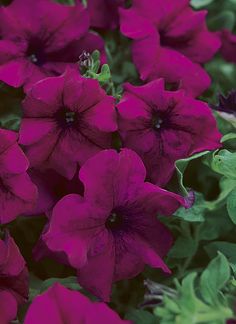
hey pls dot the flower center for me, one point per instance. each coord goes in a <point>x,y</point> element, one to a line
<point>35,52</point>
<point>174,42</point>
<point>33,58</point>
<point>114,221</point>
<point>3,187</point>
<point>157,122</point>
<point>70,117</point>
<point>66,118</point>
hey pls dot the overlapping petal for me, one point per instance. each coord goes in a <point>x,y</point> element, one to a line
<point>170,40</point>
<point>65,126</point>
<point>67,306</point>
<point>111,224</point>
<point>41,39</point>
<point>17,192</point>
<point>164,126</point>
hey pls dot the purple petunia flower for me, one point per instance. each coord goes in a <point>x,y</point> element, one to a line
<point>67,119</point>
<point>104,13</point>
<point>228,48</point>
<point>40,38</point>
<point>170,40</point>
<point>113,231</point>
<point>17,193</point>
<point>50,192</point>
<point>67,306</point>
<point>13,280</point>
<point>164,126</point>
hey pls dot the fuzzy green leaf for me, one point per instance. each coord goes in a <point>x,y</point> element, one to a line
<point>213,278</point>
<point>10,121</point>
<point>197,4</point>
<point>196,212</point>
<point>231,205</point>
<point>224,20</point>
<point>181,166</point>
<point>227,137</point>
<point>69,282</point>
<point>67,2</point>
<point>224,162</point>
<point>227,248</point>
<point>183,248</point>
<point>226,187</point>
<point>141,317</point>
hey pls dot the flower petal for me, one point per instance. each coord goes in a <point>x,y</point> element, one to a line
<point>99,283</point>
<point>8,307</point>
<point>118,176</point>
<point>74,222</point>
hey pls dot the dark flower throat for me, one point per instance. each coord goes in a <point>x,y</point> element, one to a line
<point>66,118</point>
<point>114,221</point>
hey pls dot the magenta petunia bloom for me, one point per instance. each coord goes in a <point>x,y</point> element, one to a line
<point>8,307</point>
<point>228,48</point>
<point>17,193</point>
<point>50,192</point>
<point>164,126</point>
<point>104,13</point>
<point>69,307</point>
<point>66,120</point>
<point>13,280</point>
<point>170,40</point>
<point>40,38</point>
<point>113,231</point>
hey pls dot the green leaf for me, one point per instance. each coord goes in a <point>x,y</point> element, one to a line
<point>223,75</point>
<point>105,74</point>
<point>10,121</point>
<point>214,278</point>
<point>95,55</point>
<point>224,162</point>
<point>171,305</point>
<point>229,118</point>
<point>226,186</point>
<point>67,2</point>
<point>217,223</point>
<point>224,20</point>
<point>141,317</point>
<point>34,286</point>
<point>197,4</point>
<point>228,137</point>
<point>231,205</point>
<point>228,249</point>
<point>184,247</point>
<point>196,212</point>
<point>188,298</point>
<point>181,166</point>
<point>187,305</point>
<point>69,282</point>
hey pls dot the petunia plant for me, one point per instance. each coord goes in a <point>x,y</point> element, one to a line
<point>118,161</point>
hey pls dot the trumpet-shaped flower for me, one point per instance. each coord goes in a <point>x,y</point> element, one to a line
<point>113,231</point>
<point>66,120</point>
<point>164,126</point>
<point>41,38</point>
<point>170,40</point>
